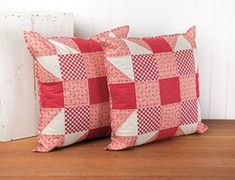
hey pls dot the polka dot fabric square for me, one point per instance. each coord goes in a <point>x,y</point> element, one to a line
<point>163,99</point>
<point>77,119</point>
<point>185,61</point>
<point>73,92</point>
<point>145,67</point>
<point>72,66</point>
<point>148,120</point>
<point>189,112</point>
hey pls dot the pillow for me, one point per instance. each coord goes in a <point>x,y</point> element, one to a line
<point>72,88</point>
<point>154,88</point>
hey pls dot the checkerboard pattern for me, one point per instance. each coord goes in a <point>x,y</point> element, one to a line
<point>148,119</point>
<point>145,68</point>
<point>72,66</point>
<point>189,112</point>
<point>73,92</point>
<point>185,61</point>
<point>76,119</point>
<point>160,84</point>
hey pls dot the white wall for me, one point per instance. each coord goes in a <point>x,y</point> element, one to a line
<point>18,105</point>
<point>215,20</point>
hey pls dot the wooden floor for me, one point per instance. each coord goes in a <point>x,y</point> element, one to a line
<point>207,156</point>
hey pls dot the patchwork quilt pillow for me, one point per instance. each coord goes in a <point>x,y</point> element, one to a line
<point>72,86</point>
<point>154,88</point>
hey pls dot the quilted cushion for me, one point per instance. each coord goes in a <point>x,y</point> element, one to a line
<point>72,86</point>
<point>154,88</point>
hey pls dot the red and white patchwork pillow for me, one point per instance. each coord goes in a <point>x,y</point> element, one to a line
<point>154,88</point>
<point>72,86</point>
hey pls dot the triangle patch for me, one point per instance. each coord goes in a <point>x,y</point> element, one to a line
<point>44,75</point>
<point>47,115</point>
<point>51,64</point>
<point>111,34</point>
<point>171,40</point>
<point>144,138</point>
<point>62,48</point>
<point>56,126</point>
<point>115,75</point>
<point>153,138</point>
<point>129,127</point>
<point>120,117</point>
<point>136,48</point>
<point>179,132</point>
<point>189,128</point>
<point>182,43</point>
<point>140,42</point>
<point>190,35</point>
<point>73,137</point>
<point>124,64</point>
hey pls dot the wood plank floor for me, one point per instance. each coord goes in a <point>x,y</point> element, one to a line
<point>207,156</point>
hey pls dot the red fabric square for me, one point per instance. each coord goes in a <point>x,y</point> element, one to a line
<point>166,133</point>
<point>158,44</point>
<point>123,96</point>
<point>169,90</point>
<point>87,45</point>
<point>51,95</point>
<point>197,85</point>
<point>98,90</point>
